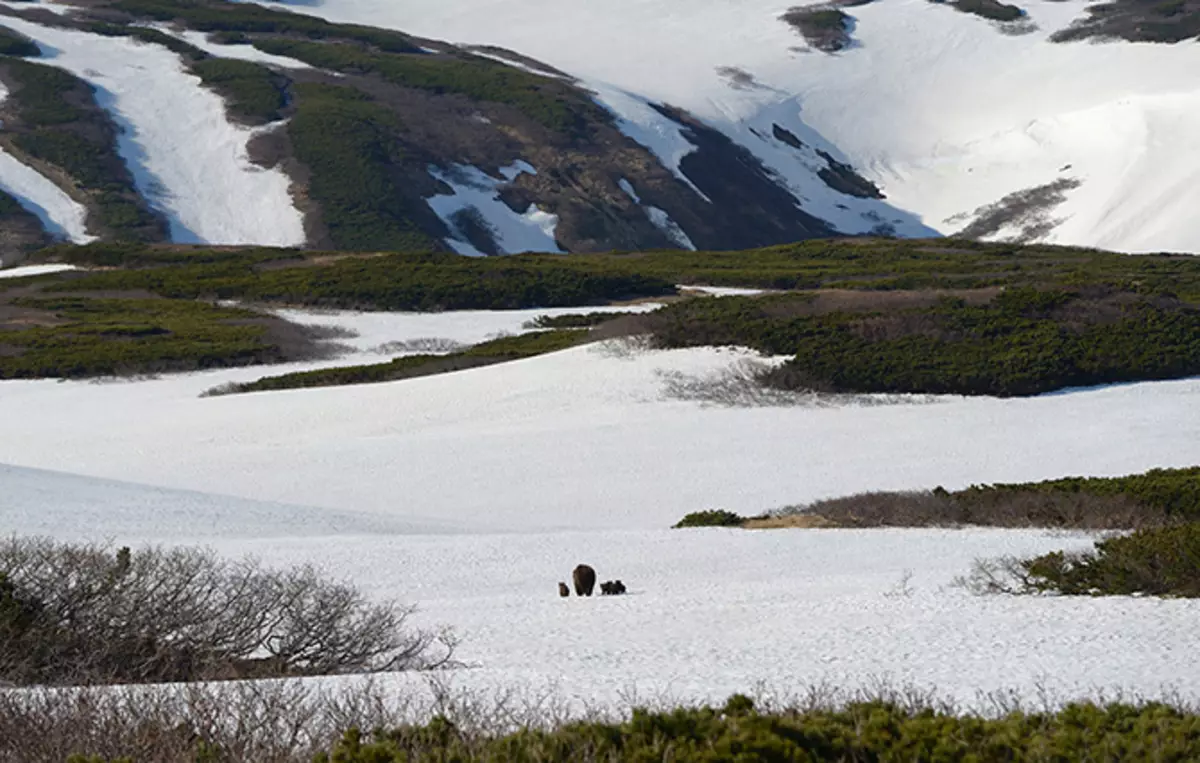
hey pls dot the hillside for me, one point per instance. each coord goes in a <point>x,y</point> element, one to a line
<point>466,126</point>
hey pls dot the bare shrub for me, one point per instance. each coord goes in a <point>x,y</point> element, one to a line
<point>1005,575</point>
<point>86,614</point>
<point>420,346</point>
<point>1007,508</point>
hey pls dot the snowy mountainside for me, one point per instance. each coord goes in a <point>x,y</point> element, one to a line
<point>1002,129</point>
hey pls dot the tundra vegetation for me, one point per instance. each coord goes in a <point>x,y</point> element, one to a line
<point>861,315</point>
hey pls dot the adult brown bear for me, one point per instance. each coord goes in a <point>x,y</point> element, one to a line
<point>584,578</point>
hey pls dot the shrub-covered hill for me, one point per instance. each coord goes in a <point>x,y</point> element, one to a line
<point>369,129</point>
<point>872,315</point>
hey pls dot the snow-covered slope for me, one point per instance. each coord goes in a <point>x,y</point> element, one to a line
<point>944,111</point>
<point>578,439</point>
<point>187,159</point>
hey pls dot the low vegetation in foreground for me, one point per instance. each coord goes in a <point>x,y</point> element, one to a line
<point>294,725</point>
<point>89,614</point>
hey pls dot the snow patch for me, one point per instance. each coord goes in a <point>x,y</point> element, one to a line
<point>473,189</point>
<point>187,160</point>
<point>202,41</point>
<point>25,271</point>
<point>61,216</point>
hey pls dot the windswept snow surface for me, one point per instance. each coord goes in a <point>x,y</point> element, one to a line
<point>942,109</point>
<point>186,157</point>
<point>513,232</point>
<point>578,439</point>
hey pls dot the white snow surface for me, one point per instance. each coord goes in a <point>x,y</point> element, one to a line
<point>186,157</point>
<point>24,271</point>
<point>61,216</point>
<point>515,473</point>
<point>940,108</point>
<point>581,439</point>
<point>528,231</point>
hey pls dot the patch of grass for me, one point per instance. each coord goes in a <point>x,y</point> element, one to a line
<point>710,518</point>
<point>349,144</point>
<point>58,122</point>
<point>1021,342</point>
<point>98,337</point>
<point>413,366</point>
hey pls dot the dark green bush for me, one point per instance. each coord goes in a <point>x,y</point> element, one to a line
<point>867,731</point>
<point>126,336</point>
<point>1022,342</point>
<point>710,518</point>
<point>544,100</point>
<point>989,9</point>
<point>349,144</point>
<point>251,91</point>
<point>13,44</point>
<point>575,320</point>
<point>1161,561</point>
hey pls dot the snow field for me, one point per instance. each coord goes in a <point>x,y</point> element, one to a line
<point>582,439</point>
<point>940,108</point>
<point>187,159</point>
<point>24,271</point>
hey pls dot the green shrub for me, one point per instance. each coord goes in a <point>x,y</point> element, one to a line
<point>993,10</point>
<point>1022,342</point>
<point>349,145</point>
<point>1161,561</point>
<point>865,731</point>
<point>98,337</point>
<point>710,518</point>
<point>251,91</point>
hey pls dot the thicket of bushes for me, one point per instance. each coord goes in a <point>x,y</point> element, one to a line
<point>120,725</point>
<point>1152,499</point>
<point>710,518</point>
<point>1153,561</point>
<point>872,731</point>
<point>59,122</point>
<point>1162,21</point>
<point>862,265</point>
<point>349,144</point>
<point>97,337</point>
<point>86,614</point>
<point>412,366</point>
<point>1021,342</point>
<point>575,320</point>
<point>825,28</point>
<point>391,282</point>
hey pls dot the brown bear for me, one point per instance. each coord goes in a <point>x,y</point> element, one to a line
<point>584,578</point>
<point>563,590</point>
